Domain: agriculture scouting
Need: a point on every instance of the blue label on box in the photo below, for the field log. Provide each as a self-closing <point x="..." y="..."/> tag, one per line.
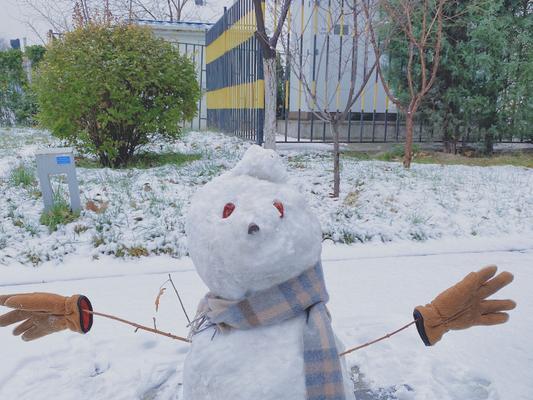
<point x="62" y="160"/>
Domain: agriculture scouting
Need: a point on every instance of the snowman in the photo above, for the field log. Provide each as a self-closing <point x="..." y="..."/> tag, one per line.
<point x="256" y="244"/>
<point x="263" y="331"/>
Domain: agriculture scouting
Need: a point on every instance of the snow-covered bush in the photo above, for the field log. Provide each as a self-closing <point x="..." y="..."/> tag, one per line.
<point x="111" y="89"/>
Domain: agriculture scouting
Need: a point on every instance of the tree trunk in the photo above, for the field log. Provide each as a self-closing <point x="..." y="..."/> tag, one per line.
<point x="409" y="127"/>
<point x="269" y="131"/>
<point x="336" y="160"/>
<point x="489" y="143"/>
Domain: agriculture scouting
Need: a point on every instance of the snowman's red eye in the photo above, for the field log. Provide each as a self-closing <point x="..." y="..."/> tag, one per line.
<point x="279" y="205"/>
<point x="228" y="209"/>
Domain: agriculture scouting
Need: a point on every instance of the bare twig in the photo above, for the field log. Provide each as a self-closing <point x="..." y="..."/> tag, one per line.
<point x="182" y="339"/>
<point x="179" y="298"/>
<point x="388" y="335"/>
<point x="138" y="326"/>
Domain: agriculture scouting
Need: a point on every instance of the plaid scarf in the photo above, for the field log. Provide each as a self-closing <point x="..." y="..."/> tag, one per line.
<point x="305" y="293"/>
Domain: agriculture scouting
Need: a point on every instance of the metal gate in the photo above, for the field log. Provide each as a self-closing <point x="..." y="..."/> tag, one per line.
<point x="235" y="85"/>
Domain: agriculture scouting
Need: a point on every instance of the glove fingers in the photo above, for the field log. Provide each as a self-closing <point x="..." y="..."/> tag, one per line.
<point x="486" y="273"/>
<point x="493" y="319"/>
<point x="13" y="317"/>
<point x="19" y="330"/>
<point x="43" y="302"/>
<point x="495" y="284"/>
<point x="491" y="306"/>
<point x="4" y="297"/>
<point x="37" y="332"/>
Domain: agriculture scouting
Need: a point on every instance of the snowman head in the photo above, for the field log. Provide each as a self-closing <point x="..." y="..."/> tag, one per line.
<point x="249" y="229"/>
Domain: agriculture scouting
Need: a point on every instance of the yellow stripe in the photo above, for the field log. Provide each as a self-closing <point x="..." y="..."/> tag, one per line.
<point x="238" y="96"/>
<point x="238" y="33"/>
<point x="363" y="100"/>
<point x="386" y="102"/>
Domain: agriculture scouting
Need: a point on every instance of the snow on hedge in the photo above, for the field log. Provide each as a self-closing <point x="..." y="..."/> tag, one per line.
<point x="141" y="211"/>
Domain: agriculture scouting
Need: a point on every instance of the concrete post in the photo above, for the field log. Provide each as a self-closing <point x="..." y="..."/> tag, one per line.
<point x="55" y="161"/>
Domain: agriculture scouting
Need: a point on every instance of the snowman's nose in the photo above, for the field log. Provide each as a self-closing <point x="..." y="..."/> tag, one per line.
<point x="252" y="228"/>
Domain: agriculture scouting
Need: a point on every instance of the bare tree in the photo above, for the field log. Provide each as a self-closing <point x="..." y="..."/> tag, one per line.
<point x="166" y="10"/>
<point x="268" y="45"/>
<point x="417" y="24"/>
<point x="343" y="62"/>
<point x="62" y="15"/>
<point x="56" y="14"/>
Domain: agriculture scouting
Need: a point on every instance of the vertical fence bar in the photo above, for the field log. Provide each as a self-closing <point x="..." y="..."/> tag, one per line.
<point x="287" y="74"/>
<point x="300" y="66"/>
<point x="339" y="74"/>
<point x="386" y="118"/>
<point x="202" y="49"/>
<point x="374" y="101"/>
<point x="397" y="125"/>
<point x="315" y="31"/>
<point x="326" y="97"/>
<point x="194" y="62"/>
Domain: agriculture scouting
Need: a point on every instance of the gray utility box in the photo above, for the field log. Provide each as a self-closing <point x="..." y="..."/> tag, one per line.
<point x="57" y="161"/>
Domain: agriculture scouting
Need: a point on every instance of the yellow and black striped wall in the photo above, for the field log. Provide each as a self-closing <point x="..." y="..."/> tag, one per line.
<point x="234" y="77"/>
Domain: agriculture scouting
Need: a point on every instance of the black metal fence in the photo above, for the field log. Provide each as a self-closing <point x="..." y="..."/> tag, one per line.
<point x="312" y="35"/>
<point x="196" y="52"/>
<point x="235" y="85"/>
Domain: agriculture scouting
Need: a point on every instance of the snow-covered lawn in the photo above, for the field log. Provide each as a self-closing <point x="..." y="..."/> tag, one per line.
<point x="373" y="289"/>
<point x="380" y="201"/>
<point x="412" y="234"/>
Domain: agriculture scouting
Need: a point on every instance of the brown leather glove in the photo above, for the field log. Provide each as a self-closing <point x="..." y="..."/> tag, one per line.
<point x="46" y="313"/>
<point x="463" y="305"/>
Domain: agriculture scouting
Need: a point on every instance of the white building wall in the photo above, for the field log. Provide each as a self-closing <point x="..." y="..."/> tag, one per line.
<point x="315" y="24"/>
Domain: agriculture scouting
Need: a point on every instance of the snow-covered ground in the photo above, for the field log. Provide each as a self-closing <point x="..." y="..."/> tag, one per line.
<point x="373" y="290"/>
<point x="413" y="234"/>
<point x="380" y="201"/>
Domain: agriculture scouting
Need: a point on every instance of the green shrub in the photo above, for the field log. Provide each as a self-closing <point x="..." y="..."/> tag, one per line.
<point x="22" y="176"/>
<point x="17" y="100"/>
<point x="59" y="214"/>
<point x="110" y="89"/>
<point x="35" y="54"/>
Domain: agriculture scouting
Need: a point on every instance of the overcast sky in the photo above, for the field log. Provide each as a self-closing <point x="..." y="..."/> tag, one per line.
<point x="12" y="25"/>
<point x="13" y="18"/>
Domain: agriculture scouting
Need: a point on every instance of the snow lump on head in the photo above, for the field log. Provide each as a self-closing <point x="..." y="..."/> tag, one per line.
<point x="248" y="229"/>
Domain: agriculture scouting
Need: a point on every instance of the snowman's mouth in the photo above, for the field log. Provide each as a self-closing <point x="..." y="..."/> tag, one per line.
<point x="253" y="228"/>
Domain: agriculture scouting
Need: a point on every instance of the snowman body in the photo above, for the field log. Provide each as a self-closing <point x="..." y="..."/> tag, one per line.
<point x="249" y="230"/>
<point x="265" y="363"/>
